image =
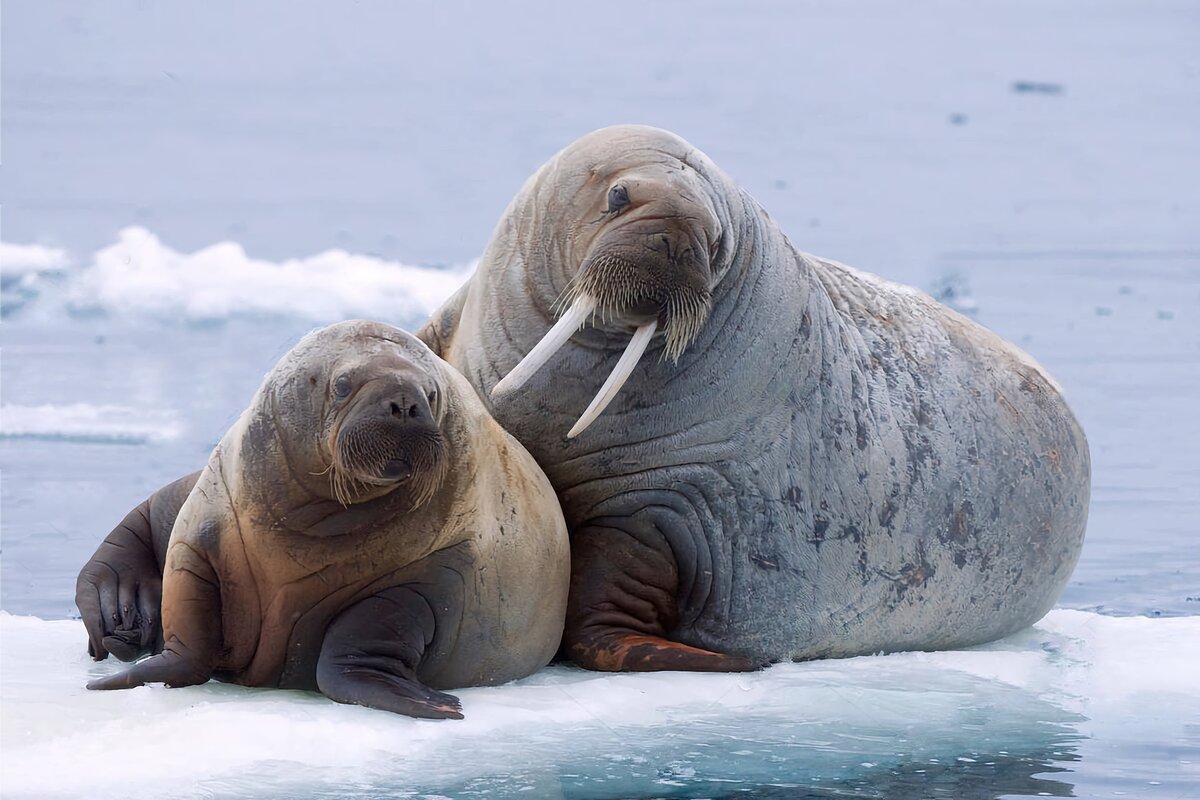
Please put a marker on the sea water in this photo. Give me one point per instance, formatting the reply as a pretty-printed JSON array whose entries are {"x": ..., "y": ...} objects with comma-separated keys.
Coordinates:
[{"x": 188, "y": 189}]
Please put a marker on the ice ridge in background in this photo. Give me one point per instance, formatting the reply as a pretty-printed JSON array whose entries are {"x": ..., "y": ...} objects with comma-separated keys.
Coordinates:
[
  {"x": 24, "y": 271},
  {"x": 83, "y": 422},
  {"x": 139, "y": 276}
]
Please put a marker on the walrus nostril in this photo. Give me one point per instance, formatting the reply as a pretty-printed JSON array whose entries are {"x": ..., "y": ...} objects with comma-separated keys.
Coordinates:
[
  {"x": 396, "y": 411},
  {"x": 413, "y": 411}
]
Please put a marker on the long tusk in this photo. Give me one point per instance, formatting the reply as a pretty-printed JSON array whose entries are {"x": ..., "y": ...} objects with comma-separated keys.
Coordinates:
[
  {"x": 549, "y": 344},
  {"x": 620, "y": 374}
]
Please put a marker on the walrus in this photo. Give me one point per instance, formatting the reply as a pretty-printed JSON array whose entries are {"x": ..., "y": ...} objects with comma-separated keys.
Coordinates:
[
  {"x": 790, "y": 459},
  {"x": 365, "y": 529}
]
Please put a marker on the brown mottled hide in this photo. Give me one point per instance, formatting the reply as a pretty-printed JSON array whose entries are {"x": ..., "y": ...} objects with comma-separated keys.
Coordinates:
[{"x": 365, "y": 529}]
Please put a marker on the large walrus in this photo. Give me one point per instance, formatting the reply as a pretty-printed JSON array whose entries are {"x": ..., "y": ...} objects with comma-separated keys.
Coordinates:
[
  {"x": 797, "y": 460},
  {"x": 365, "y": 529},
  {"x": 808, "y": 460}
]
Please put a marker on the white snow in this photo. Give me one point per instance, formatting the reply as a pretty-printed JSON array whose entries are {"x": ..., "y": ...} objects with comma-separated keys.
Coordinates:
[
  {"x": 23, "y": 270},
  {"x": 82, "y": 422},
  {"x": 21, "y": 259},
  {"x": 1075, "y": 672},
  {"x": 140, "y": 276}
]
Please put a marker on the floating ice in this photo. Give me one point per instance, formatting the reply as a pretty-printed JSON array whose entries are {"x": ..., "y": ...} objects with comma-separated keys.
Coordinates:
[
  {"x": 23, "y": 268},
  {"x": 81, "y": 422},
  {"x": 1077, "y": 686},
  {"x": 17, "y": 260},
  {"x": 141, "y": 276}
]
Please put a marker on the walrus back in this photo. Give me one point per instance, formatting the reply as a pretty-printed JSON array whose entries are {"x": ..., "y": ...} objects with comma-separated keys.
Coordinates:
[{"x": 989, "y": 478}]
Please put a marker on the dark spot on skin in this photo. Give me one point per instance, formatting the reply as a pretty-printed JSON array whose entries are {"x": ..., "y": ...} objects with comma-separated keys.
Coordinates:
[
  {"x": 805, "y": 325},
  {"x": 920, "y": 455},
  {"x": 913, "y": 574},
  {"x": 794, "y": 495},
  {"x": 961, "y": 523},
  {"x": 851, "y": 532},
  {"x": 921, "y": 414},
  {"x": 887, "y": 513},
  {"x": 820, "y": 525},
  {"x": 861, "y": 433},
  {"x": 208, "y": 535}
]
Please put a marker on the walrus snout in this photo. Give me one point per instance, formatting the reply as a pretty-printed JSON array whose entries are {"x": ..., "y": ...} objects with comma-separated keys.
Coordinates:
[{"x": 389, "y": 436}]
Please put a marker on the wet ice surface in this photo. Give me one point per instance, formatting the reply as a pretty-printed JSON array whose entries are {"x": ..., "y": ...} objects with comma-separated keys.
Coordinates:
[
  {"x": 1016, "y": 717},
  {"x": 1034, "y": 164}
]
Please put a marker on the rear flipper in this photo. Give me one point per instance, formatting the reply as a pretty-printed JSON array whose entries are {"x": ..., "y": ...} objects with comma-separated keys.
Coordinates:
[
  {"x": 191, "y": 623},
  {"x": 615, "y": 650},
  {"x": 371, "y": 653},
  {"x": 622, "y": 607}
]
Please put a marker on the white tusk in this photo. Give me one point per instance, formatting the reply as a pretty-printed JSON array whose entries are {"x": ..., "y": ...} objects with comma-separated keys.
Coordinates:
[
  {"x": 549, "y": 344},
  {"x": 620, "y": 374}
]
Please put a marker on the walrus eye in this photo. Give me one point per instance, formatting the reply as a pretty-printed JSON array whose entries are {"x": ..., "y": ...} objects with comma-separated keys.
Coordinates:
[
  {"x": 342, "y": 386},
  {"x": 618, "y": 199}
]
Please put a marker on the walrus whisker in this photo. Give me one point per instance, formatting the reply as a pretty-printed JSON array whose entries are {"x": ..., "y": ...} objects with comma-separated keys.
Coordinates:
[
  {"x": 621, "y": 372},
  {"x": 583, "y": 307}
]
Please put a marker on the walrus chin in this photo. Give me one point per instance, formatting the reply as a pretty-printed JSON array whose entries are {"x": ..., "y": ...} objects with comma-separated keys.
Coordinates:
[{"x": 609, "y": 288}]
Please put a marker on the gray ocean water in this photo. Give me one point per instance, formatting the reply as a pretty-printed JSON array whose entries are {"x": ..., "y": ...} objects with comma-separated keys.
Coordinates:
[{"x": 1034, "y": 164}]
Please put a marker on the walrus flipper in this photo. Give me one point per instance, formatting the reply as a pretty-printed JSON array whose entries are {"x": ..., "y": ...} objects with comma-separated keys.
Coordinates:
[
  {"x": 192, "y": 627},
  {"x": 621, "y": 606},
  {"x": 371, "y": 654},
  {"x": 119, "y": 590}
]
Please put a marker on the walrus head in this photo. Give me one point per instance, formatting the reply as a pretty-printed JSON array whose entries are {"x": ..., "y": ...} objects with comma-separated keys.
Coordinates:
[
  {"x": 378, "y": 396},
  {"x": 642, "y": 247}
]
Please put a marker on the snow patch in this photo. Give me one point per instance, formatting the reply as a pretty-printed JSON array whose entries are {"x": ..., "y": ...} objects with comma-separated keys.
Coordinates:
[
  {"x": 81, "y": 422},
  {"x": 141, "y": 276},
  {"x": 24, "y": 269}
]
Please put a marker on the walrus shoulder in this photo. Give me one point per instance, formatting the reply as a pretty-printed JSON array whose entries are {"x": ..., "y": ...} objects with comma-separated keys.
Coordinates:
[{"x": 439, "y": 330}]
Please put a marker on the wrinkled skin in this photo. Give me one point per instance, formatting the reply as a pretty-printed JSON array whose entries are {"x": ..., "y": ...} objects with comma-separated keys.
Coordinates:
[
  {"x": 834, "y": 464},
  {"x": 119, "y": 591},
  {"x": 365, "y": 529},
  {"x": 815, "y": 462}
]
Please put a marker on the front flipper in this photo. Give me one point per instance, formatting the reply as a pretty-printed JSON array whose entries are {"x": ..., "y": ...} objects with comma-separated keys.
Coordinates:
[
  {"x": 119, "y": 590},
  {"x": 622, "y": 605},
  {"x": 175, "y": 668},
  {"x": 191, "y": 624},
  {"x": 371, "y": 654}
]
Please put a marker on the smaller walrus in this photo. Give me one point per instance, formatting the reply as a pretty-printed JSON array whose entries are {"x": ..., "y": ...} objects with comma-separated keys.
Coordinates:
[{"x": 365, "y": 529}]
